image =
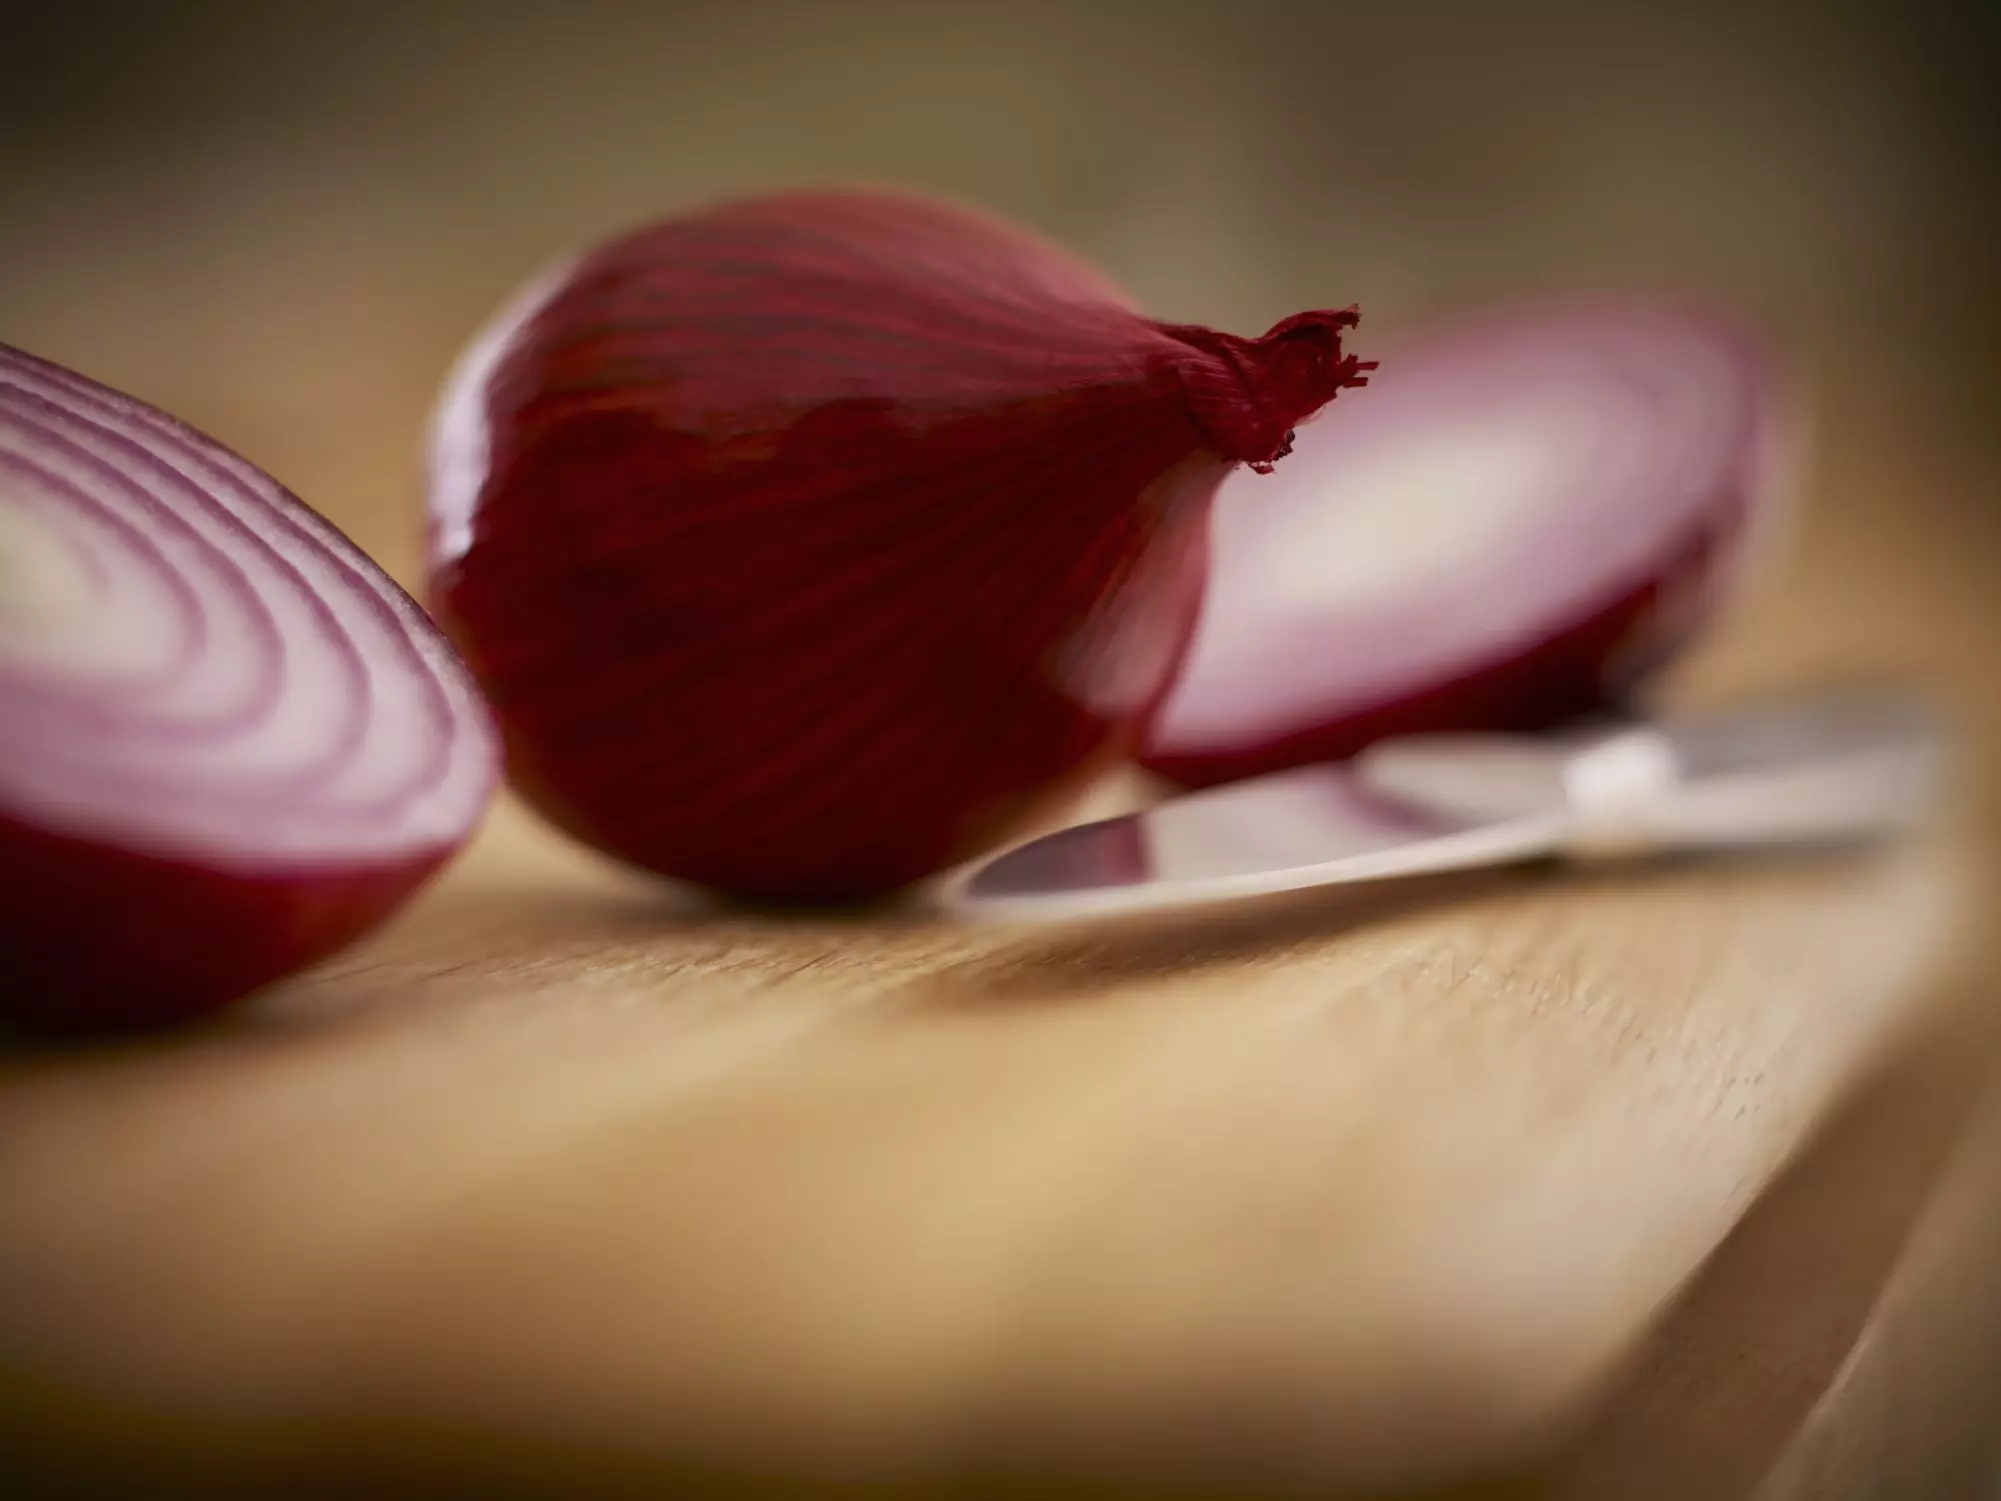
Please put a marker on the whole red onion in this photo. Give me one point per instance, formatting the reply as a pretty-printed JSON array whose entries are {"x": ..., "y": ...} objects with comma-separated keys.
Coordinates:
[{"x": 807, "y": 544}]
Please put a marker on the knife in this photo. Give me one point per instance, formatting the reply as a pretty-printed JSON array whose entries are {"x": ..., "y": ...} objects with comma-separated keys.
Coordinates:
[{"x": 1836, "y": 768}]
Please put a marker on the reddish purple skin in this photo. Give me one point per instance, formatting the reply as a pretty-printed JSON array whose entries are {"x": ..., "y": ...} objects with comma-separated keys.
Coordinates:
[
  {"x": 99, "y": 938},
  {"x": 804, "y": 516}
]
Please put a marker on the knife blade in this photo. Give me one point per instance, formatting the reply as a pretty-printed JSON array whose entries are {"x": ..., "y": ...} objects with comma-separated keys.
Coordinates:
[{"x": 1832, "y": 768}]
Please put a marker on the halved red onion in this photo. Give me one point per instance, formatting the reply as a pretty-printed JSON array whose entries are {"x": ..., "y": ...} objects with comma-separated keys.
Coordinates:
[
  {"x": 228, "y": 742},
  {"x": 1519, "y": 522}
]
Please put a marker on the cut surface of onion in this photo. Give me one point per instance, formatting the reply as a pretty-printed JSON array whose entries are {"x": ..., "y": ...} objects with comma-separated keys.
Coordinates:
[
  {"x": 1521, "y": 520},
  {"x": 228, "y": 741}
]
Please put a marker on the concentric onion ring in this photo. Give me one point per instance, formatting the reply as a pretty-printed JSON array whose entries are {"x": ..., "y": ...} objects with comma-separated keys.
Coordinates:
[
  {"x": 228, "y": 742},
  {"x": 1523, "y": 519}
]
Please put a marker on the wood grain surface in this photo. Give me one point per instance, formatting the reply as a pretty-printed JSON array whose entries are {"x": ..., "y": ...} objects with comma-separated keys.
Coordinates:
[
  {"x": 1539, "y": 1183},
  {"x": 1332, "y": 1191},
  {"x": 1912, "y": 1409}
]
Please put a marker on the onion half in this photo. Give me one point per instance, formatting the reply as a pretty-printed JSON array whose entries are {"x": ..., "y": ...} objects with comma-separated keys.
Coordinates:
[
  {"x": 228, "y": 742},
  {"x": 1522, "y": 520}
]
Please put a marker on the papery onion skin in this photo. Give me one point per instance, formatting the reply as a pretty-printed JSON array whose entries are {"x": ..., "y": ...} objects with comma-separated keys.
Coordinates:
[
  {"x": 177, "y": 834},
  {"x": 1593, "y": 651},
  {"x": 808, "y": 544}
]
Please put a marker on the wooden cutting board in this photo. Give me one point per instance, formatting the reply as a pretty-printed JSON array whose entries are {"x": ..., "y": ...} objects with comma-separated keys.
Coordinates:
[
  {"x": 561, "y": 1183},
  {"x": 1911, "y": 1409}
]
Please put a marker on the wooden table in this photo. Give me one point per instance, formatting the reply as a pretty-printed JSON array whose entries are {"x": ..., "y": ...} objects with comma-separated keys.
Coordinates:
[
  {"x": 557, "y": 1178},
  {"x": 1593, "y": 1185}
]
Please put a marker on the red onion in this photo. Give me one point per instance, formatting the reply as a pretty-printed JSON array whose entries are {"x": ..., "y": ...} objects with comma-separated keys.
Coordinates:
[
  {"x": 1529, "y": 516},
  {"x": 228, "y": 743},
  {"x": 807, "y": 544}
]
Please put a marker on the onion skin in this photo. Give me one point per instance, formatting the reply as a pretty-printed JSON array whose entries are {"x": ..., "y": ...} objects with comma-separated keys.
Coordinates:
[
  {"x": 1594, "y": 653},
  {"x": 807, "y": 545},
  {"x": 100, "y": 939}
]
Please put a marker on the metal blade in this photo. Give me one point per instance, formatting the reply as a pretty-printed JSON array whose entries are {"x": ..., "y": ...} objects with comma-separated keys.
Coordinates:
[
  {"x": 1829, "y": 767},
  {"x": 1316, "y": 826}
]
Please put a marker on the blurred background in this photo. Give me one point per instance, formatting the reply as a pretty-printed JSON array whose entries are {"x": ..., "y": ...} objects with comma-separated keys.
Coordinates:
[{"x": 281, "y": 220}]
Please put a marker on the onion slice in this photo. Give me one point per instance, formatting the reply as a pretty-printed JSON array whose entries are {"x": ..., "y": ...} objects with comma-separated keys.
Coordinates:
[
  {"x": 1519, "y": 522},
  {"x": 228, "y": 742}
]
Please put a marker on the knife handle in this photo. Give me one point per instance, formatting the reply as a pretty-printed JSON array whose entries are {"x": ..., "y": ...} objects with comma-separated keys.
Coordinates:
[{"x": 1834, "y": 768}]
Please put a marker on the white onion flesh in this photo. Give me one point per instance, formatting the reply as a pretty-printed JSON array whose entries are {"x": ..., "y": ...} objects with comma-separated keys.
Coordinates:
[
  {"x": 1497, "y": 484},
  {"x": 195, "y": 665}
]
